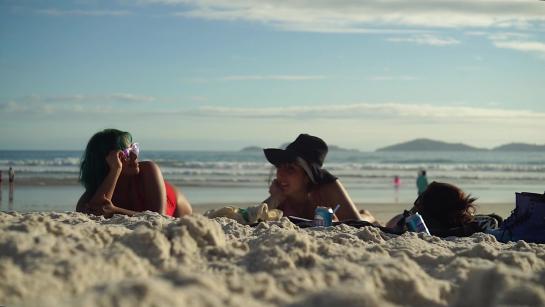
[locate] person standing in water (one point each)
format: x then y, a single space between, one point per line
397 185
11 178
421 182
1 188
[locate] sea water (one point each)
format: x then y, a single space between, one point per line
47 180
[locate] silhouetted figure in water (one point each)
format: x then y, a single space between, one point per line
11 177
1 189
421 182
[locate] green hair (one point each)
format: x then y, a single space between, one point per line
94 168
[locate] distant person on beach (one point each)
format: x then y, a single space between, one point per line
11 175
421 182
11 179
116 182
301 184
397 182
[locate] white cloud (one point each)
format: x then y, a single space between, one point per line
95 13
113 97
272 77
376 110
358 111
72 103
393 78
425 39
518 41
526 46
366 16
507 35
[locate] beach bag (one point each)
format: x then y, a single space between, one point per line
526 222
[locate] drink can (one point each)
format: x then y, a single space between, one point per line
323 216
415 223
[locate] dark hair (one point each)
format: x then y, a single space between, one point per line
446 205
93 167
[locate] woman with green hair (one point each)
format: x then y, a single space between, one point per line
116 182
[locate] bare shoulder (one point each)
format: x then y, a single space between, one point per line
149 170
331 187
148 165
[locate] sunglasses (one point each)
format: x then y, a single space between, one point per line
134 148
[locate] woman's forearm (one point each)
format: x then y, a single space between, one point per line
124 211
106 188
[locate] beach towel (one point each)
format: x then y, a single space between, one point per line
247 216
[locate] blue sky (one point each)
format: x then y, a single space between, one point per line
211 74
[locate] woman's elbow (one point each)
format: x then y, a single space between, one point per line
184 208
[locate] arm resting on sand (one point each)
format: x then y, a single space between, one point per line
105 207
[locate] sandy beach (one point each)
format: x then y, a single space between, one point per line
69 259
381 211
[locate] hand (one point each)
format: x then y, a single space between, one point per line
108 207
114 160
276 192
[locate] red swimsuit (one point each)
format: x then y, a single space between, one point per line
172 202
171 205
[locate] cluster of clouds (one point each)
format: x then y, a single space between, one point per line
422 22
372 111
356 15
73 103
123 103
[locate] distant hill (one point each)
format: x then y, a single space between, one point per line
429 145
252 148
520 147
337 148
331 148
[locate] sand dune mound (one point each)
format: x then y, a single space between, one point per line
69 259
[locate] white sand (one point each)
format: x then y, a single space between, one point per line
70 259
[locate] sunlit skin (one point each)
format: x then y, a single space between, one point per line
116 194
292 181
293 193
290 189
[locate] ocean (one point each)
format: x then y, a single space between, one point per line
48 180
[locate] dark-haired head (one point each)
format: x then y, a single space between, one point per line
446 205
93 167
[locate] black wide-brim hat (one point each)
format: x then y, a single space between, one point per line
307 151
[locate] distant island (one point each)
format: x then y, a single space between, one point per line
252 148
331 148
520 147
433 145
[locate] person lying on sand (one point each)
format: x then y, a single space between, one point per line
301 184
448 211
116 182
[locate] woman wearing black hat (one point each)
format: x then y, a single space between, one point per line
301 184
